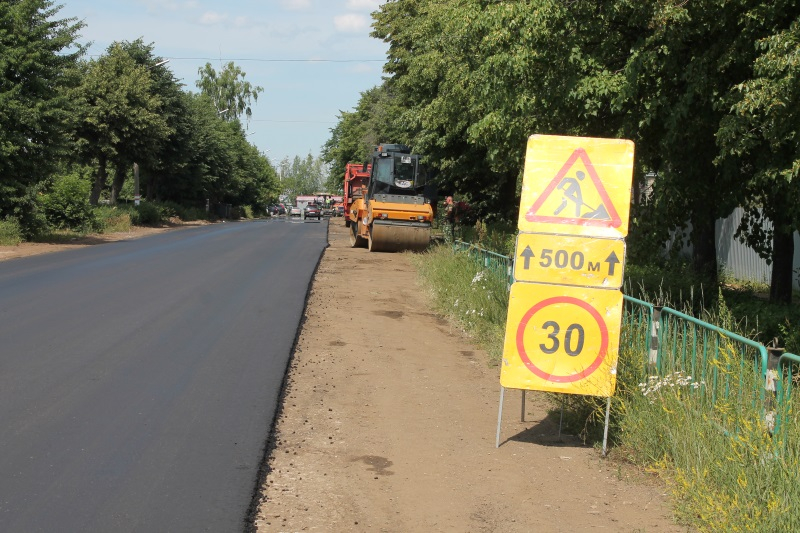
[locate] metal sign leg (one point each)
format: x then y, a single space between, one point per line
499 418
605 429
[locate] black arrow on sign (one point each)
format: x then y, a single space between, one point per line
612 261
526 254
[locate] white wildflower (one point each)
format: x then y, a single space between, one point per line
656 383
478 277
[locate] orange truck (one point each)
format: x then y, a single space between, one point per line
389 211
356 179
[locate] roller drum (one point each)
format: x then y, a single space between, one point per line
393 237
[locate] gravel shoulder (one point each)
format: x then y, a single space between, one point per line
388 424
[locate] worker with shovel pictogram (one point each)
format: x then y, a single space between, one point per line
571 188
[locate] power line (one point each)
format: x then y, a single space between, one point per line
262 60
294 121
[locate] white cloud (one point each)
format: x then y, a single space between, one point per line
296 5
372 5
210 18
351 23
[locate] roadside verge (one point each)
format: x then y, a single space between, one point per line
388 422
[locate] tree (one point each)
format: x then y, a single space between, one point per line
476 78
228 90
220 165
374 120
758 140
167 156
38 63
304 176
120 115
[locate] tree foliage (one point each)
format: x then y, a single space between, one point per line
707 89
38 63
374 120
228 90
304 176
67 124
120 118
759 140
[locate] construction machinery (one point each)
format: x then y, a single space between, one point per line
356 179
391 212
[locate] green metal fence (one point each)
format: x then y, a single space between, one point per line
499 264
728 372
788 366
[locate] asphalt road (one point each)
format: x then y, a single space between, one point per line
139 379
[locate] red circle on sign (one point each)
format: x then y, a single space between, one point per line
562 300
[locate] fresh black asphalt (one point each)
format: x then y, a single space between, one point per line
139 379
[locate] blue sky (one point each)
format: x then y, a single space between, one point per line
301 99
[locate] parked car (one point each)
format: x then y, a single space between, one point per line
295 211
312 211
276 210
338 211
327 211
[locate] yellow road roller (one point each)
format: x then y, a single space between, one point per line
392 212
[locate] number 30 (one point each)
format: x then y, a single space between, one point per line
556 344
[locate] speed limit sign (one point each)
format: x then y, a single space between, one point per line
561 339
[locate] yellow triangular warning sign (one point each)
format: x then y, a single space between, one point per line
575 196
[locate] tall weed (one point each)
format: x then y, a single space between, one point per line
707 436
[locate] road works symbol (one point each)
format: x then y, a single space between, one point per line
569 260
561 339
573 207
576 186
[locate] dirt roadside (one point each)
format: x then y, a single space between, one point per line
27 249
388 425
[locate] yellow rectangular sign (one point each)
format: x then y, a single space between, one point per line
577 186
569 260
562 339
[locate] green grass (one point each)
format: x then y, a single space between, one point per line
58 236
112 219
10 232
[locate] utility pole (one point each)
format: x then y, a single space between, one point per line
136 196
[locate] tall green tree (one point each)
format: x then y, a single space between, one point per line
167 155
38 63
688 55
759 141
228 89
120 115
476 78
221 166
